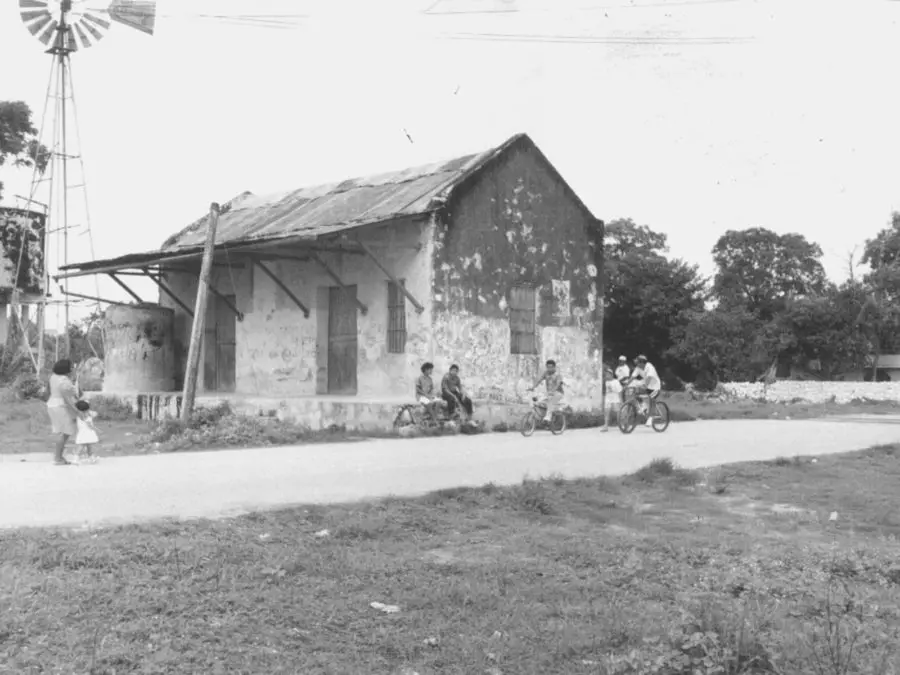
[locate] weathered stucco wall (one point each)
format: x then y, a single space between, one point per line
515 224
281 353
815 392
480 346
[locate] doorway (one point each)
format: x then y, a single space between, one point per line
342 340
219 360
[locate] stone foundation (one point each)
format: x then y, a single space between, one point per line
316 413
814 392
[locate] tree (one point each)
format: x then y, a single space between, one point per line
822 332
729 343
760 270
880 315
647 294
19 144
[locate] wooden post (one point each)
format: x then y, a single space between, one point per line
598 230
193 365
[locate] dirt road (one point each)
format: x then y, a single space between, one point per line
33 492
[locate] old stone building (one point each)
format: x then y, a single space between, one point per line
346 289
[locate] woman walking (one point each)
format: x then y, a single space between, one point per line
61 407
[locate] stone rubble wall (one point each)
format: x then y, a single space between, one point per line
813 392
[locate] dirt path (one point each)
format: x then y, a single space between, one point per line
33 492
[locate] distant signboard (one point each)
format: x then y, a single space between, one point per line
21 238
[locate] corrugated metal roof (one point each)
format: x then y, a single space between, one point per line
315 211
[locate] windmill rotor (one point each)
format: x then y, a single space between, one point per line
83 23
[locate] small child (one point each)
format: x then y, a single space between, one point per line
85 432
613 396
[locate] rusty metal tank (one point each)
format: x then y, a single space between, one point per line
140 349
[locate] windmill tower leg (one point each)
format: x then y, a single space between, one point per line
67 26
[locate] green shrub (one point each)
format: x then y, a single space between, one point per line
111 408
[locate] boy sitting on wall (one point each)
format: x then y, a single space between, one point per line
425 391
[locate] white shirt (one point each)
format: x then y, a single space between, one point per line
623 372
650 377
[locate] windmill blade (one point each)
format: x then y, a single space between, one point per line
36 16
87 25
48 34
137 14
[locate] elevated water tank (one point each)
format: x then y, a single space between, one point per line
22 252
140 349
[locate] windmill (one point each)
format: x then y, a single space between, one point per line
66 27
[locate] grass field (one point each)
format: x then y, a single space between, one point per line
26 428
783 567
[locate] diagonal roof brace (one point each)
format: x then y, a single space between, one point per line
212 289
315 256
409 296
278 282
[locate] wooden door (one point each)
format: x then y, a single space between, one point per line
219 363
342 340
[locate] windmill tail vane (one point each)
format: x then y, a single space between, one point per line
84 22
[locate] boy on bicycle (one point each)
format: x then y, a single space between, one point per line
555 390
646 374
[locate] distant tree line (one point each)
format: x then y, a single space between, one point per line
769 306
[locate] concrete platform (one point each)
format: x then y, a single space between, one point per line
315 412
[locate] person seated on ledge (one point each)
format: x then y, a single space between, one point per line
452 391
425 393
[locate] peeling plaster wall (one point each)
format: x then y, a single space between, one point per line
279 352
480 346
516 223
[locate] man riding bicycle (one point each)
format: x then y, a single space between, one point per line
650 384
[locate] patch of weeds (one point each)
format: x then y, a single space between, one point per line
663 468
532 496
111 408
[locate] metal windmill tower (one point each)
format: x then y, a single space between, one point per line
66 27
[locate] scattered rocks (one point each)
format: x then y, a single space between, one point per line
387 609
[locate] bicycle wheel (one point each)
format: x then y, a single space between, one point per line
558 423
661 418
529 423
627 417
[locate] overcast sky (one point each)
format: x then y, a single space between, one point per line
690 116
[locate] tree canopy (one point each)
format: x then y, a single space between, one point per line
647 293
19 145
759 270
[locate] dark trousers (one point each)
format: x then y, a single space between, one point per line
452 402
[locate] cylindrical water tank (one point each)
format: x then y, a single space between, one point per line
140 349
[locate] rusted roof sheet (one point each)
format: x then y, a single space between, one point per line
316 211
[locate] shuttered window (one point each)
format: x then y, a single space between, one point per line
522 326
396 337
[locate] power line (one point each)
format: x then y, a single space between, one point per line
632 5
598 39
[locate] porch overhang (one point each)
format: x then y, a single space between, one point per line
153 264
157 259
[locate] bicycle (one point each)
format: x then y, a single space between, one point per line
630 412
536 416
419 415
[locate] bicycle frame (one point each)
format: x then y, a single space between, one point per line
631 395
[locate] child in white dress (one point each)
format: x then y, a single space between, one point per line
85 432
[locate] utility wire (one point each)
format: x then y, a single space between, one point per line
598 39
590 8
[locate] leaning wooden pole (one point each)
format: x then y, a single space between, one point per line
193 364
